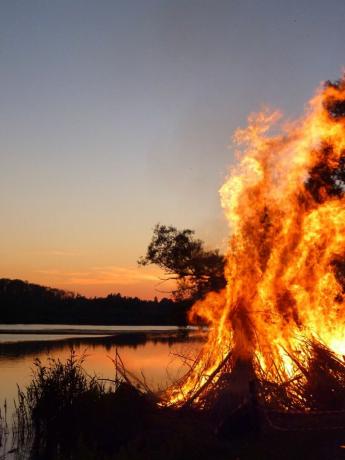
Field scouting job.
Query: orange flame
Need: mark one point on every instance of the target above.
(285, 204)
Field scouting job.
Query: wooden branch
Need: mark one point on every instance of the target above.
(209, 380)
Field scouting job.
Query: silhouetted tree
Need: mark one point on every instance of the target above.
(184, 259)
(327, 178)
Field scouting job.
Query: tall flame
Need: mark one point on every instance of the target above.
(285, 204)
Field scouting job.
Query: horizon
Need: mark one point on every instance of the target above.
(118, 115)
(106, 294)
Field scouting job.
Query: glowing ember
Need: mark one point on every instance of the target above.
(285, 204)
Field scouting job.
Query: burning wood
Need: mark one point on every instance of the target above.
(281, 319)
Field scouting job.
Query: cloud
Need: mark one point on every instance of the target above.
(56, 253)
(144, 282)
(103, 275)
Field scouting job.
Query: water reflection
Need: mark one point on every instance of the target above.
(151, 353)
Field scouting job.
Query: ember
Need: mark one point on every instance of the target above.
(281, 319)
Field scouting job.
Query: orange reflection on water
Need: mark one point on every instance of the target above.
(157, 361)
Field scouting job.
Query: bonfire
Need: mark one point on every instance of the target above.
(278, 329)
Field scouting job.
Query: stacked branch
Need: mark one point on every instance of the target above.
(317, 385)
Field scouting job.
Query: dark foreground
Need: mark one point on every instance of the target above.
(65, 414)
(127, 427)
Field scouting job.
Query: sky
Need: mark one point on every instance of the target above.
(117, 115)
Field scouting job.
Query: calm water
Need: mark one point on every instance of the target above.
(144, 350)
(83, 327)
(40, 332)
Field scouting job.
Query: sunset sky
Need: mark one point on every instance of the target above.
(116, 115)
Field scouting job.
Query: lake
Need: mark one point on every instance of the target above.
(152, 351)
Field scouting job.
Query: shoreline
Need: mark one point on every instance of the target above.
(125, 337)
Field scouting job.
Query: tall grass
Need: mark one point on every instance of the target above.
(66, 414)
(4, 431)
(46, 410)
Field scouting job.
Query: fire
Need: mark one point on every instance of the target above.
(285, 269)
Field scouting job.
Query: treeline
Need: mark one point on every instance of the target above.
(23, 302)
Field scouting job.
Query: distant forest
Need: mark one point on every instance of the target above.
(23, 302)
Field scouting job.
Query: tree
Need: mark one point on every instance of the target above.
(327, 177)
(184, 258)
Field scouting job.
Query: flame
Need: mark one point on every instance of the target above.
(285, 205)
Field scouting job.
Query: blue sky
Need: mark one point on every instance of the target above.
(116, 115)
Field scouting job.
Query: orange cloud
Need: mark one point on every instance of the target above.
(101, 280)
